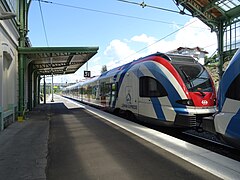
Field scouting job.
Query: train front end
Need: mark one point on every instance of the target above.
(199, 88)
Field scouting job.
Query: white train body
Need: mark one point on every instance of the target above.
(153, 88)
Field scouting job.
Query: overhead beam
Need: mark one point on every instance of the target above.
(234, 13)
(198, 11)
(55, 65)
(68, 50)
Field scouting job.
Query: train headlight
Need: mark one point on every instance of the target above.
(186, 102)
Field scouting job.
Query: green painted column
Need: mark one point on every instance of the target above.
(220, 48)
(22, 18)
(44, 90)
(39, 88)
(30, 73)
(35, 89)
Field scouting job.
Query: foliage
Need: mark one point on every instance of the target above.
(104, 69)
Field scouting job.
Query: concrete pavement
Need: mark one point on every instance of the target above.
(24, 147)
(63, 141)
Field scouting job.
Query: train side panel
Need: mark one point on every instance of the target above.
(151, 91)
(154, 100)
(128, 90)
(227, 120)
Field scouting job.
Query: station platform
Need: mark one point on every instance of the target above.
(68, 140)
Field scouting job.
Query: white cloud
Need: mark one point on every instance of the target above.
(144, 38)
(192, 36)
(118, 49)
(95, 70)
(195, 33)
(121, 51)
(96, 59)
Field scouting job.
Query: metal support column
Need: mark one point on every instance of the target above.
(35, 93)
(44, 89)
(22, 16)
(220, 48)
(30, 90)
(39, 88)
(52, 89)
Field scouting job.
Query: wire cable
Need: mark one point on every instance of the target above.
(143, 5)
(110, 13)
(159, 40)
(43, 23)
(122, 15)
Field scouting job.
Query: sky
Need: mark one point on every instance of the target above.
(122, 31)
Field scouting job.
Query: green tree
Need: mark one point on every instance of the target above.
(104, 69)
(211, 60)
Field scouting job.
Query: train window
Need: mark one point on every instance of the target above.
(81, 90)
(114, 91)
(233, 91)
(150, 87)
(84, 90)
(194, 76)
(105, 89)
(94, 92)
(89, 91)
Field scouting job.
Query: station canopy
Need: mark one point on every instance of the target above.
(212, 12)
(57, 60)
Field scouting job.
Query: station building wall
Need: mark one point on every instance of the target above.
(8, 71)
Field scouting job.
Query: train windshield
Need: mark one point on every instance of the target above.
(195, 77)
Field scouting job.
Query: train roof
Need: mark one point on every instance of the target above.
(175, 57)
(182, 58)
(90, 80)
(72, 86)
(172, 58)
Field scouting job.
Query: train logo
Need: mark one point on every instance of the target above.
(128, 99)
(204, 102)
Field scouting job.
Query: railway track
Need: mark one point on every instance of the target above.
(209, 141)
(205, 140)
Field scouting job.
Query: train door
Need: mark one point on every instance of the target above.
(113, 94)
(81, 93)
(102, 95)
(153, 100)
(98, 93)
(105, 92)
(130, 98)
(108, 93)
(147, 89)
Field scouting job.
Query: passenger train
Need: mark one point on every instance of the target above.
(227, 119)
(168, 89)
